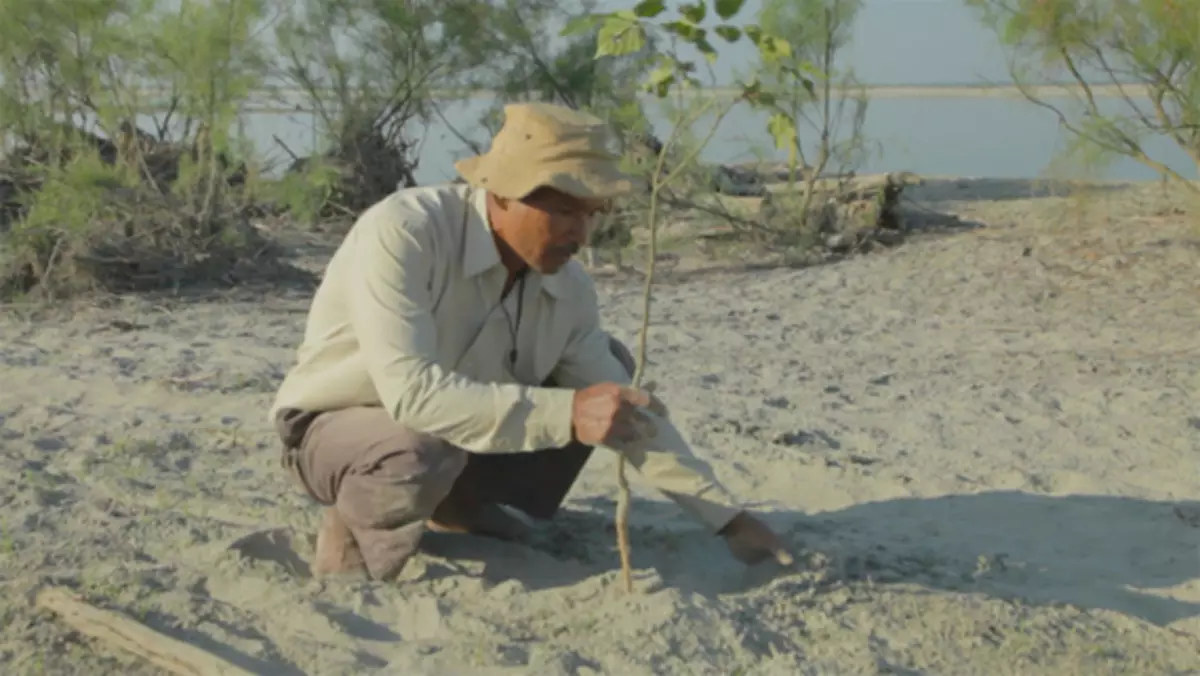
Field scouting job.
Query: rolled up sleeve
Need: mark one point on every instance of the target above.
(391, 310)
(666, 461)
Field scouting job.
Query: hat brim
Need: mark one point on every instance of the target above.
(586, 177)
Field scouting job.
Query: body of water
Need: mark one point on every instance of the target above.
(961, 136)
(896, 43)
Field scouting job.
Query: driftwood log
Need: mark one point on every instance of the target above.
(851, 188)
(118, 631)
(846, 213)
(842, 204)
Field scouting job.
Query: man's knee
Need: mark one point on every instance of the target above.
(366, 448)
(401, 483)
(427, 464)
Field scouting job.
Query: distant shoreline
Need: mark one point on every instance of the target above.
(278, 101)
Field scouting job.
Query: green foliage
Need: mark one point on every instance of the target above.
(354, 61)
(105, 167)
(100, 201)
(306, 193)
(810, 87)
(627, 31)
(367, 69)
(531, 62)
(1113, 43)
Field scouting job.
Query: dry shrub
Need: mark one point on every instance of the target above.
(369, 159)
(95, 226)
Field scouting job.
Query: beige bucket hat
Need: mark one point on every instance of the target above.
(546, 145)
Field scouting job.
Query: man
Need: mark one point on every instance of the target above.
(453, 361)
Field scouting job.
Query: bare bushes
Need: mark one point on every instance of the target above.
(366, 70)
(368, 159)
(99, 220)
(91, 201)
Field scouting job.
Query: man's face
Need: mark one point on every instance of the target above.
(547, 227)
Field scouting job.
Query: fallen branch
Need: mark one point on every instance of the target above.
(163, 651)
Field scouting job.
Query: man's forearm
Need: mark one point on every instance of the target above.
(668, 465)
(666, 461)
(477, 417)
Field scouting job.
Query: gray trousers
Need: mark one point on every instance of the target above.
(386, 480)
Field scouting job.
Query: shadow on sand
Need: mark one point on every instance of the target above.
(1090, 551)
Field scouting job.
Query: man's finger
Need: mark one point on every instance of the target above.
(623, 434)
(631, 426)
(635, 396)
(782, 557)
(658, 408)
(643, 425)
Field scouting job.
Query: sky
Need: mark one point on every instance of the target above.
(924, 42)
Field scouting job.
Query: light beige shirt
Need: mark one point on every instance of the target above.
(407, 317)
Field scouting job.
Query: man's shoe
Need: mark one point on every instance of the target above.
(489, 520)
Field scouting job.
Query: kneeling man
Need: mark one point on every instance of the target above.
(453, 361)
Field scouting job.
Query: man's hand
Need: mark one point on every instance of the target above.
(608, 414)
(656, 404)
(751, 541)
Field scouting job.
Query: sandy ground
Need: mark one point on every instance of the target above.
(983, 446)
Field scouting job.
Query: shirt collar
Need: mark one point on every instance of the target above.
(480, 253)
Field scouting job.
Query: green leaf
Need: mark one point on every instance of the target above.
(581, 24)
(694, 12)
(783, 130)
(706, 48)
(660, 80)
(664, 72)
(774, 49)
(726, 9)
(753, 32)
(687, 31)
(619, 36)
(810, 69)
(730, 33)
(648, 9)
(754, 93)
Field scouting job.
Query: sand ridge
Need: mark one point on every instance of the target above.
(977, 443)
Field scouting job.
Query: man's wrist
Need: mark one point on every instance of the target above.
(550, 422)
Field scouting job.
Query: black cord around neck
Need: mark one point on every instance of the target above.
(516, 331)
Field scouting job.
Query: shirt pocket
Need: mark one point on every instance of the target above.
(487, 356)
(551, 335)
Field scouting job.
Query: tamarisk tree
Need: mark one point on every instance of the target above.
(1147, 51)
